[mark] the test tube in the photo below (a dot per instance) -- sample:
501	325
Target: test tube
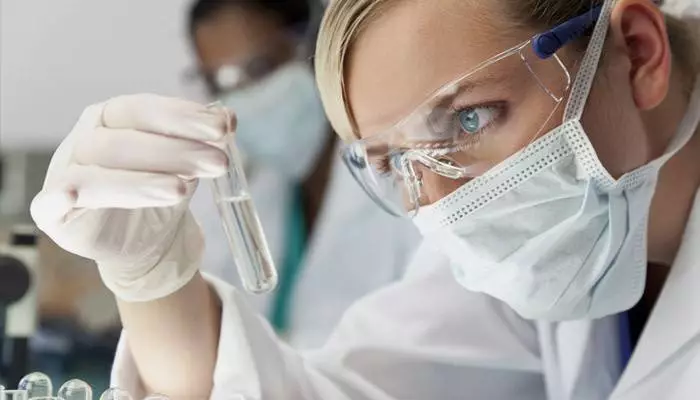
241	223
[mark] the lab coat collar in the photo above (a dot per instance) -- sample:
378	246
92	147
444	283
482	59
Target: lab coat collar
675	319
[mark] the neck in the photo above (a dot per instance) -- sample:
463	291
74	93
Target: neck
679	179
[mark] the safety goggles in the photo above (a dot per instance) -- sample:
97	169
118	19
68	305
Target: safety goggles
457	134
235	75
232	77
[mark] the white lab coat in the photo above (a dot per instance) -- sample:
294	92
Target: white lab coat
426	337
354	249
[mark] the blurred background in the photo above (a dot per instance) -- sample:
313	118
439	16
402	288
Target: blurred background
56	57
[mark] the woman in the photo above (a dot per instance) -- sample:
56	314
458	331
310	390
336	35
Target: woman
531	176
252	57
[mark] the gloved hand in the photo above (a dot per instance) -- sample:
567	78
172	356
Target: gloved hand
118	187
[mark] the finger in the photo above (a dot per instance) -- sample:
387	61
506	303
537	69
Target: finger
127	149
49	208
94	187
229	116
167	116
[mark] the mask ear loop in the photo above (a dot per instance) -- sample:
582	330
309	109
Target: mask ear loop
587	71
413	182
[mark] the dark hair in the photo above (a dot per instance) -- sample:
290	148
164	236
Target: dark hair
294	14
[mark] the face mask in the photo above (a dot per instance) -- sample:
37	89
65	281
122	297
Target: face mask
281	122
549	231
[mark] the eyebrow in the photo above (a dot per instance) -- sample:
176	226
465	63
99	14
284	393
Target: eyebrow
544	45
461	86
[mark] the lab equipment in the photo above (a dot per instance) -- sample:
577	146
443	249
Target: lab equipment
152	247
241	223
115	394
75	389
311	308
13	395
440	140
19	274
36	384
46	398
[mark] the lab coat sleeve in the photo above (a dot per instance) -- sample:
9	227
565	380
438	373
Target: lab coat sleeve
424	337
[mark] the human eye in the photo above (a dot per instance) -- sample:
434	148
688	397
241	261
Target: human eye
388	164
473	121
460	125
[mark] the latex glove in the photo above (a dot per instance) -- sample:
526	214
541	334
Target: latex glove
118	187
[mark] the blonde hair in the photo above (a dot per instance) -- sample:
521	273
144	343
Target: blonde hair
346	19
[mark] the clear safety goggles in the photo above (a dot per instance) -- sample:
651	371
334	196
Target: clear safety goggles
231	76
468	126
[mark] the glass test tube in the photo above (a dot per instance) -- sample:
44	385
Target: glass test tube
244	232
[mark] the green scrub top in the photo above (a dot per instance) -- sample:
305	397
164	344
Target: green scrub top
295	247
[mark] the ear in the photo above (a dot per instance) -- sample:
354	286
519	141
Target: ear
638	29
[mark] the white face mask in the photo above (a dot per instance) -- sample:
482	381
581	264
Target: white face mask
549	231
281	122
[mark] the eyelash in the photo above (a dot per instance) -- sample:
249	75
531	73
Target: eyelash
497	110
384	166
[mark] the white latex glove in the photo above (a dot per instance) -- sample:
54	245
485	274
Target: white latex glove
118	187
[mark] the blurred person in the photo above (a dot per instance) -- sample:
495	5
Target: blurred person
330	243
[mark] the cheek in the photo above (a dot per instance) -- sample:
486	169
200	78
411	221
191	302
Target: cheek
435	187
615	128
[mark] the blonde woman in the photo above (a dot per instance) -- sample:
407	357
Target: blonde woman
545	148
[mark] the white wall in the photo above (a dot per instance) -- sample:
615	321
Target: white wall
58	56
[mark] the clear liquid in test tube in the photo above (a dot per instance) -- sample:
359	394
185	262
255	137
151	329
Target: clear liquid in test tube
246	239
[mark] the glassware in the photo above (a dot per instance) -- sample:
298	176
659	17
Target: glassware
115	394
75	389
37	385
241	222
13	395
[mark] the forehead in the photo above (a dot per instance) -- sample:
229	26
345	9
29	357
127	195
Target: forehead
414	47
236	34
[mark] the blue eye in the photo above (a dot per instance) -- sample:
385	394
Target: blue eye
474	120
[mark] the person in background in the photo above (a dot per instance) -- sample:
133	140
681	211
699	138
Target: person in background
331	244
